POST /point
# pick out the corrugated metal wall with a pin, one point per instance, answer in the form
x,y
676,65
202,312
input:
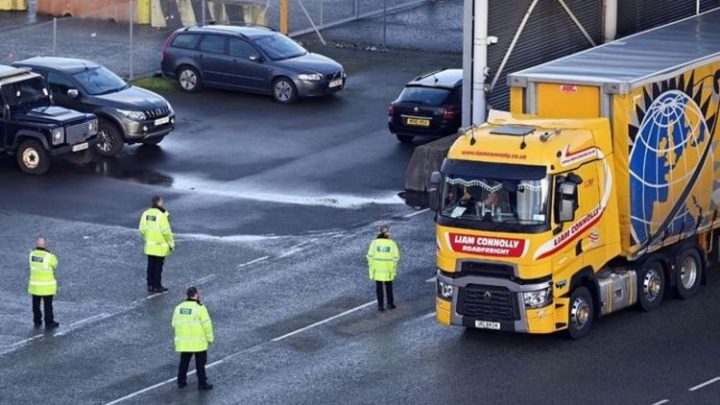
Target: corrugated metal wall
x,y
640,15
549,34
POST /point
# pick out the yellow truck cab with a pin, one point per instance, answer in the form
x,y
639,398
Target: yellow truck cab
x,y
596,192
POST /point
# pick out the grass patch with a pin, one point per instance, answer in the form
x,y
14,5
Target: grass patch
x,y
158,84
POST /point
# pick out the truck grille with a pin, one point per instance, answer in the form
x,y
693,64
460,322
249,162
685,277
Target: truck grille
x,y
157,112
487,269
487,303
77,133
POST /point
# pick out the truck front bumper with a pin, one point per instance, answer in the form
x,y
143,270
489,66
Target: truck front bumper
x,y
497,304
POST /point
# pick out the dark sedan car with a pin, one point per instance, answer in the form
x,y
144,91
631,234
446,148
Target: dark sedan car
x,y
252,59
127,114
428,106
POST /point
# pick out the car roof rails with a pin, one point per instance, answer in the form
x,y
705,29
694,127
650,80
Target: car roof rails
x,y
428,74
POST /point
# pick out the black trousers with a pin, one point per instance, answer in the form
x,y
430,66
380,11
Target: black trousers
x,y
48,304
388,291
200,361
154,271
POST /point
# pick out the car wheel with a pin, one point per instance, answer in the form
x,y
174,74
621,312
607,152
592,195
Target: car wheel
x,y
651,285
110,140
284,91
153,141
689,268
580,318
189,79
33,158
404,138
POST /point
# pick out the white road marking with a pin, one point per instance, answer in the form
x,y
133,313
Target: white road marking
x,y
664,401
430,315
258,260
431,279
21,343
202,280
144,390
294,249
705,384
324,321
412,214
81,322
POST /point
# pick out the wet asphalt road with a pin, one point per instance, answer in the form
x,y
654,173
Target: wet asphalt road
x,y
273,208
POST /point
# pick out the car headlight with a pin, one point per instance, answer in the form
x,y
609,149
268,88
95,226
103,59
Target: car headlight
x,y
310,77
133,115
538,299
93,127
58,136
444,290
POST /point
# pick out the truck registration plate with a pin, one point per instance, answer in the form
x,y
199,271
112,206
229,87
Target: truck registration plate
x,y
487,325
79,147
161,121
336,83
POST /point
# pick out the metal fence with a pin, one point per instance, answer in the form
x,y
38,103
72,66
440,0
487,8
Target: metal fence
x,y
129,40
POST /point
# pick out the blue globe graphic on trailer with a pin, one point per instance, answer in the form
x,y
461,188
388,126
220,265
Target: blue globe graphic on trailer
x,y
665,154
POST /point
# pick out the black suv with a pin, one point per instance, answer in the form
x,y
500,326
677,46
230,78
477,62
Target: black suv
x,y
252,59
33,129
127,114
428,106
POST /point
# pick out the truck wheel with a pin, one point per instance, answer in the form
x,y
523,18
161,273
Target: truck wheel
x,y
110,140
33,158
153,141
651,285
581,313
688,272
404,138
188,79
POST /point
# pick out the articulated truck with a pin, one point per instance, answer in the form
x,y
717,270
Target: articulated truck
x,y
598,191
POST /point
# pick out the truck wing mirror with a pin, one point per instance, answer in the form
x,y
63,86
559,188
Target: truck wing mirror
x,y
567,201
73,93
433,194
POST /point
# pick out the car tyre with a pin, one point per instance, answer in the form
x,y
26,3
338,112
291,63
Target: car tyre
x,y
688,273
651,285
188,79
110,139
284,91
153,141
582,313
405,138
33,158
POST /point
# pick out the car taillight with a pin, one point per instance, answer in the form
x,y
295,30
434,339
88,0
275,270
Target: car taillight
x,y
449,112
391,110
166,44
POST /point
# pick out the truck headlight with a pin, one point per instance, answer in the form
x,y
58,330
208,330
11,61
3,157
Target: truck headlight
x,y
58,136
538,299
310,77
93,127
133,115
444,290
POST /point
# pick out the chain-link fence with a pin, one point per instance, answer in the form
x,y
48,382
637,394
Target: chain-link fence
x,y
128,35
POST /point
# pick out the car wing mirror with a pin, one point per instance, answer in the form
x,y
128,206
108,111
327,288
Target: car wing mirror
x,y
567,201
255,58
433,194
73,93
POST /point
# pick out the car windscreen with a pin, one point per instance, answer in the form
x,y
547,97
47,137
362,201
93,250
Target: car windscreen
x,y
279,47
25,91
99,80
429,96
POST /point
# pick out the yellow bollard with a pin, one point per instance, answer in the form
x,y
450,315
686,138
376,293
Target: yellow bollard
x,y
13,5
284,16
142,11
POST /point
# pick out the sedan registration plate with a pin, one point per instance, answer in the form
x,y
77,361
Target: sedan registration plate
x,y
335,83
161,121
79,147
418,122
487,325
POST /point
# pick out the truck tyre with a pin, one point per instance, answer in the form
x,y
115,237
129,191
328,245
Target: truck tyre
x,y
284,91
110,139
651,285
188,79
688,273
404,138
33,158
153,141
580,317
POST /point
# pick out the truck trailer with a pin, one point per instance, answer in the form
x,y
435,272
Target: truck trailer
x,y
599,190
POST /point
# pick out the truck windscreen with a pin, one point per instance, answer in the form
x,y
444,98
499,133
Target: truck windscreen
x,y
498,203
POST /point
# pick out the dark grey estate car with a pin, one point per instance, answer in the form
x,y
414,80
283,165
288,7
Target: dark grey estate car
x,y
252,59
127,114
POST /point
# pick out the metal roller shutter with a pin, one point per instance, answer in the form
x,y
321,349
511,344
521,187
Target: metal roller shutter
x,y
640,15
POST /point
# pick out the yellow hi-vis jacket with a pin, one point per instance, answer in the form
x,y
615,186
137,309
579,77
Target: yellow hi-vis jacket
x,y
193,327
42,273
383,257
155,229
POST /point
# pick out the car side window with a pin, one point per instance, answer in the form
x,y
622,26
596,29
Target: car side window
x,y
213,44
186,41
241,49
59,84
